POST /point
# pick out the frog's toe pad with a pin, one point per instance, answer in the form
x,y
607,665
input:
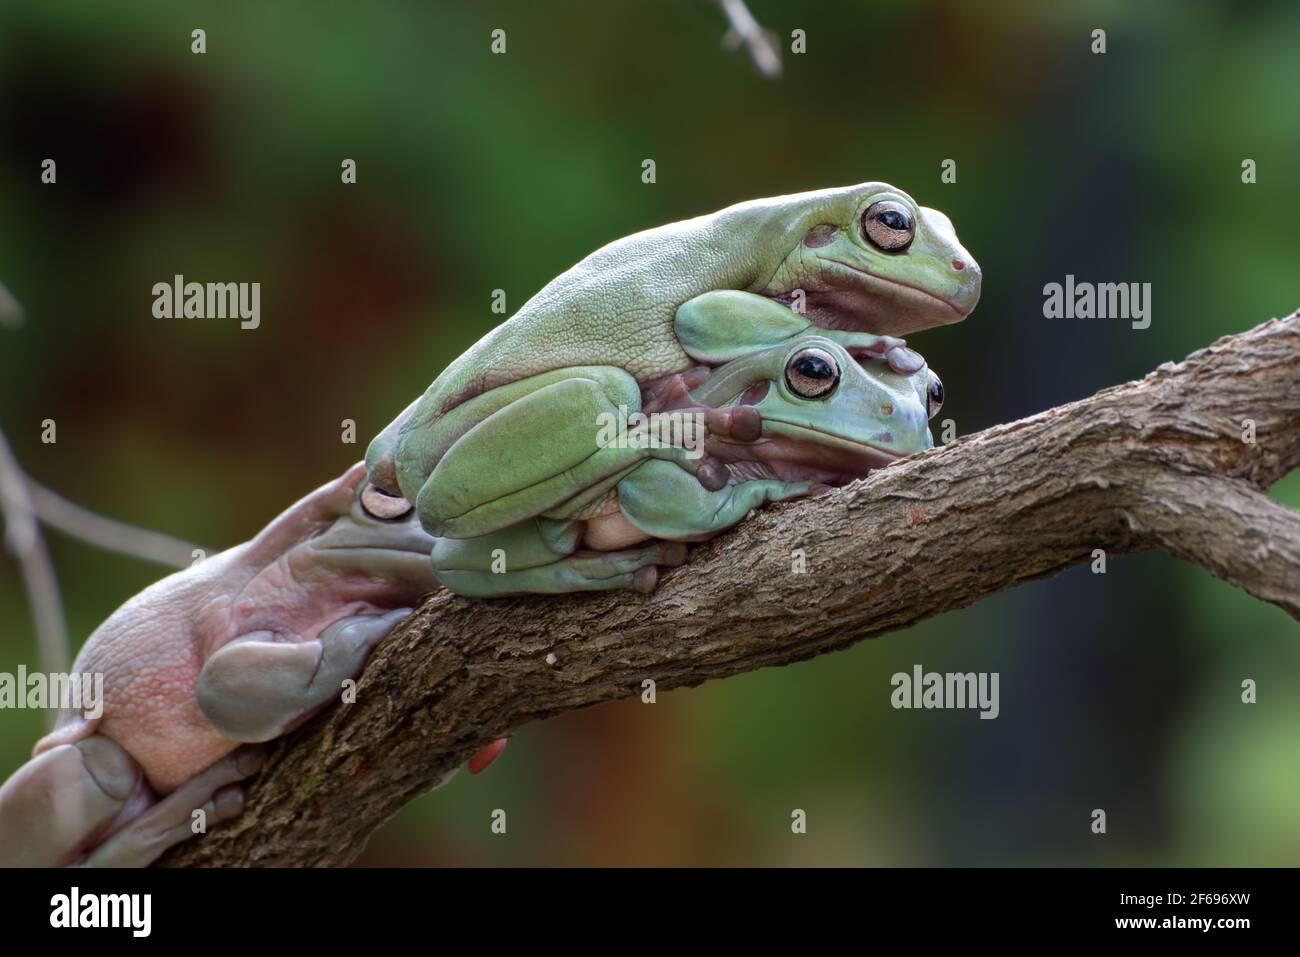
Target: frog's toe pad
x,y
227,803
486,755
712,474
904,361
742,423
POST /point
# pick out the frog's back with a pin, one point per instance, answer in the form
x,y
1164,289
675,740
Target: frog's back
x,y
614,308
149,661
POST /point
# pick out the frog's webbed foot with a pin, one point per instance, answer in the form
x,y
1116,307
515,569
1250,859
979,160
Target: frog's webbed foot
x,y
256,688
541,556
740,423
660,503
215,791
57,808
485,755
672,391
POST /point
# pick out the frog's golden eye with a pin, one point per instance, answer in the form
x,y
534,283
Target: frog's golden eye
x,y
888,226
812,373
934,395
383,506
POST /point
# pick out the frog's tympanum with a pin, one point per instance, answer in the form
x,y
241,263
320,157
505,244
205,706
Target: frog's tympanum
x,y
773,321
759,342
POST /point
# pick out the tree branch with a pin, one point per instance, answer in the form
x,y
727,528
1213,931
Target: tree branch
x,y
1156,463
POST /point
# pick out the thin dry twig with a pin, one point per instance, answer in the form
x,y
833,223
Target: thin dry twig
x,y
107,533
11,313
23,538
24,504
759,42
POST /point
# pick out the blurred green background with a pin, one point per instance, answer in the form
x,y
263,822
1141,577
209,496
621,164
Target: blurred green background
x,y
478,172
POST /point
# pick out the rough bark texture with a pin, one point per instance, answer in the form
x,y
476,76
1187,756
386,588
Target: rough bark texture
x,y
1156,463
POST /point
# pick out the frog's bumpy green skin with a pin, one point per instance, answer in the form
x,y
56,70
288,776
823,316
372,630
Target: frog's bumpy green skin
x,y
872,416
500,455
534,453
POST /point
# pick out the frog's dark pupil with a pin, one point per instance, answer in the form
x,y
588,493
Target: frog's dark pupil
x,y
894,220
936,391
814,367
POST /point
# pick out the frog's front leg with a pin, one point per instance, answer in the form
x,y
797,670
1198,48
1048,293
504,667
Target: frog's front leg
x,y
546,447
724,324
256,688
541,556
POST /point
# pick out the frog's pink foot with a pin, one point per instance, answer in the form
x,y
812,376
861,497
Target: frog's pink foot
x,y
485,756
742,423
737,424
88,803
214,791
879,346
904,361
711,473
671,391
256,688
63,799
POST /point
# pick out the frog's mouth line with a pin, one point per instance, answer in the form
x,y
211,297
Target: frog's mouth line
x,y
401,538
873,457
912,291
380,549
798,453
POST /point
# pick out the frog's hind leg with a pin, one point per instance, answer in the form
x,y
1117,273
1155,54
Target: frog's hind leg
x,y
214,790
541,556
57,808
554,440
635,569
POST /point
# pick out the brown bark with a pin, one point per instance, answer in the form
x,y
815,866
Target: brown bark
x,y
1156,463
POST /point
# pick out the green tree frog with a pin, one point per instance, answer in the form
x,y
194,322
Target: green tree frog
x,y
502,457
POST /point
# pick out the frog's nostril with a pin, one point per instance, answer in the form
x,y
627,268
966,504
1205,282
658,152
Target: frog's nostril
x,y
958,265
